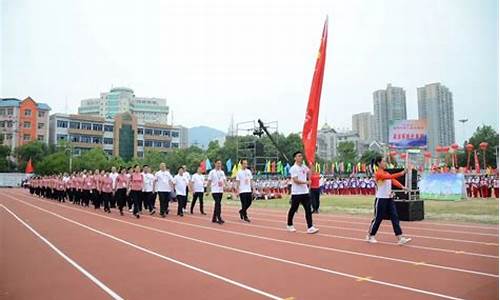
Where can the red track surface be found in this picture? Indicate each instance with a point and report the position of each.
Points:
(191, 258)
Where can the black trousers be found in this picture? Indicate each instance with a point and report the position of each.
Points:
(217, 206)
(385, 206)
(181, 203)
(96, 199)
(106, 199)
(121, 198)
(306, 204)
(136, 199)
(164, 200)
(112, 201)
(147, 198)
(196, 196)
(315, 198)
(86, 197)
(246, 201)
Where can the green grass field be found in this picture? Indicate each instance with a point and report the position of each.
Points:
(470, 210)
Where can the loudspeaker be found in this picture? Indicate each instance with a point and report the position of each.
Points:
(409, 210)
(402, 179)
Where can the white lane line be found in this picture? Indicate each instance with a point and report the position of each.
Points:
(367, 219)
(99, 283)
(225, 279)
(416, 290)
(364, 224)
(445, 250)
(373, 256)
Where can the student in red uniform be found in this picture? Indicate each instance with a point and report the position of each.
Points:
(384, 203)
(495, 186)
(315, 192)
(106, 191)
(135, 189)
(483, 185)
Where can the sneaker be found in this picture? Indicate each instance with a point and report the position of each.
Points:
(131, 210)
(152, 212)
(404, 240)
(312, 230)
(291, 228)
(371, 239)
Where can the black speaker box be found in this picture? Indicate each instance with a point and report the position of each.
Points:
(409, 210)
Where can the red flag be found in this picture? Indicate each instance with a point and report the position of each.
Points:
(29, 167)
(310, 130)
(476, 163)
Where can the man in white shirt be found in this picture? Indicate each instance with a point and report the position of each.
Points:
(216, 182)
(147, 190)
(180, 186)
(197, 186)
(113, 176)
(300, 193)
(244, 182)
(188, 179)
(163, 186)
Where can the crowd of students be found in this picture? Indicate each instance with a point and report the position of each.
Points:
(482, 186)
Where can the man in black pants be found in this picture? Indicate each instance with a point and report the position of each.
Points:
(244, 185)
(198, 188)
(163, 185)
(300, 193)
(216, 182)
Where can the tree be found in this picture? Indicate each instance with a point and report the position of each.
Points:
(482, 134)
(53, 164)
(4, 158)
(346, 152)
(35, 151)
(368, 156)
(93, 159)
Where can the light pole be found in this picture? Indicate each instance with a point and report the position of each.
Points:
(69, 148)
(463, 121)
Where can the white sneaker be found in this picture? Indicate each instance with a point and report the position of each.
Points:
(312, 230)
(371, 239)
(291, 228)
(404, 240)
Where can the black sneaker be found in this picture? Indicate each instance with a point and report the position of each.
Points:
(152, 212)
(137, 216)
(241, 215)
(203, 213)
(246, 219)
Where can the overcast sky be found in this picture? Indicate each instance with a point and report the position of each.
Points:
(253, 59)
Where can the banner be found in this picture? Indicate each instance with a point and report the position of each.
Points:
(405, 134)
(442, 186)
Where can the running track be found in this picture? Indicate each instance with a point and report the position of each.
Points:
(50, 250)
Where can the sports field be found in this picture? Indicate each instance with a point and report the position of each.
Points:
(54, 250)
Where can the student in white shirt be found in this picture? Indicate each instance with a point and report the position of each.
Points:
(114, 174)
(188, 179)
(216, 182)
(300, 193)
(244, 182)
(197, 181)
(147, 190)
(180, 186)
(163, 186)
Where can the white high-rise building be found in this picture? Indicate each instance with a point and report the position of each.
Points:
(120, 100)
(326, 147)
(388, 105)
(435, 105)
(363, 124)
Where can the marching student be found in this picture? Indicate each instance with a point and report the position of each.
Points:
(384, 202)
(120, 190)
(135, 186)
(87, 187)
(149, 198)
(114, 174)
(106, 191)
(300, 193)
(197, 187)
(188, 179)
(315, 192)
(163, 185)
(181, 186)
(216, 182)
(244, 183)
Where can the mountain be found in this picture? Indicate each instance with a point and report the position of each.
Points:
(202, 135)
